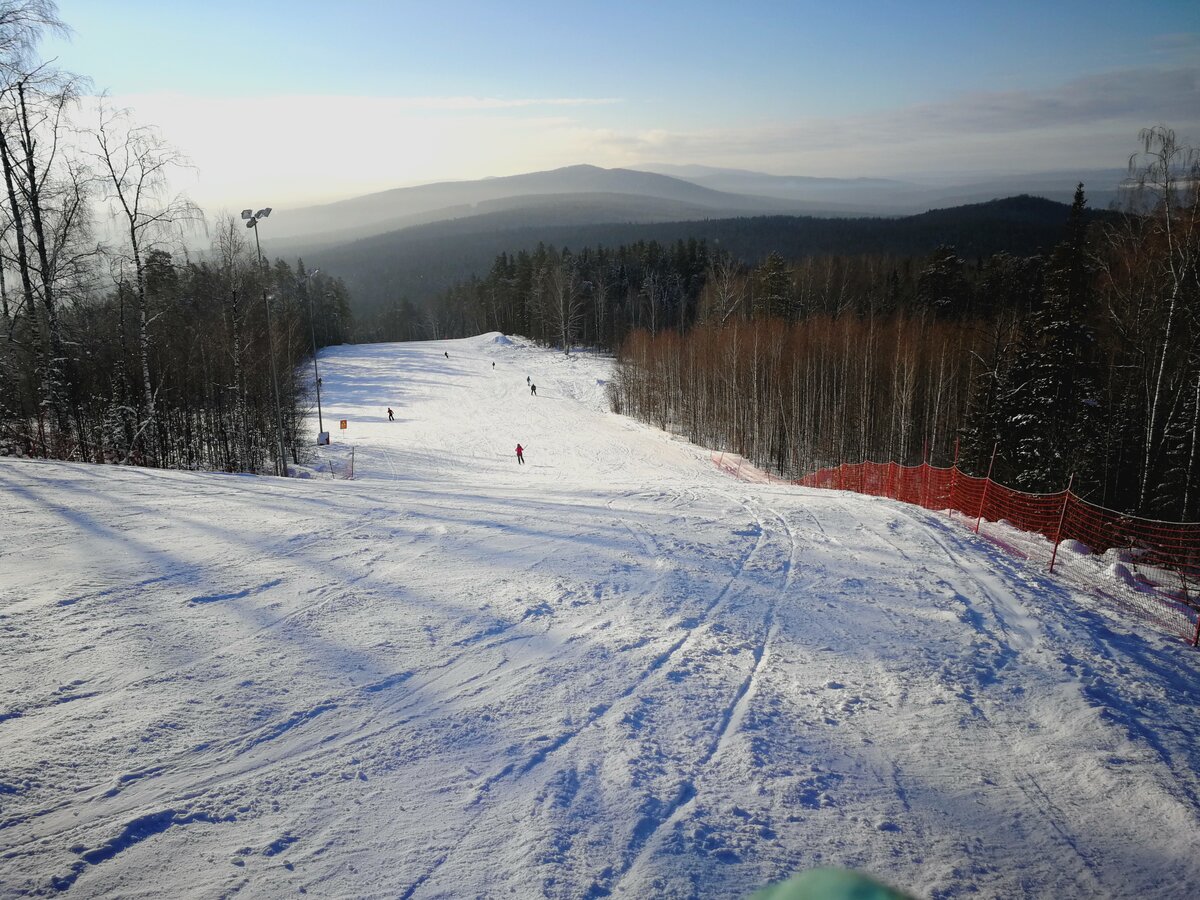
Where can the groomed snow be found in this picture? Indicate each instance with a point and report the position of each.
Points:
(613, 670)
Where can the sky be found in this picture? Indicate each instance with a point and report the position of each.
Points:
(299, 102)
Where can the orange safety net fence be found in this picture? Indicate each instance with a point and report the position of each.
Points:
(1149, 567)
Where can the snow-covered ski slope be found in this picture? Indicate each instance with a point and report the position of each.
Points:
(613, 670)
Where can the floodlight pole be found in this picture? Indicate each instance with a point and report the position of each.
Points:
(312, 321)
(252, 222)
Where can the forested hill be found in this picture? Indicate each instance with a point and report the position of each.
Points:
(417, 263)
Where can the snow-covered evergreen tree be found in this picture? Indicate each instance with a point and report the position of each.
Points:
(1051, 409)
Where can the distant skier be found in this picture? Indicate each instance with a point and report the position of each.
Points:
(391, 418)
(520, 455)
(533, 389)
(493, 365)
(447, 354)
(527, 379)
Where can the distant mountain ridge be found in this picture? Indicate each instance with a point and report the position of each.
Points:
(585, 194)
(420, 262)
(405, 207)
(890, 196)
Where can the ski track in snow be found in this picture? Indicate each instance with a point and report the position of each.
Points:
(604, 713)
(611, 671)
(729, 724)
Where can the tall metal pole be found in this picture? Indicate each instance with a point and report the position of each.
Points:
(313, 324)
(271, 351)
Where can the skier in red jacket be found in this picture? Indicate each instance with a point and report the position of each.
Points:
(520, 455)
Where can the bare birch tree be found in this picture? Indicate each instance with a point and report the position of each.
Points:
(136, 164)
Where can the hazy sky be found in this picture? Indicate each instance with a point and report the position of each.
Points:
(286, 103)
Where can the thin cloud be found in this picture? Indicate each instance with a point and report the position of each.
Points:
(1182, 43)
(1111, 106)
(1151, 94)
(321, 148)
(468, 103)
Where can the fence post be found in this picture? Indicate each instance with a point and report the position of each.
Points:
(924, 470)
(987, 481)
(953, 481)
(1061, 517)
(1187, 601)
(351, 462)
(924, 492)
(1195, 606)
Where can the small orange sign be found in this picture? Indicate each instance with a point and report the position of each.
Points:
(343, 424)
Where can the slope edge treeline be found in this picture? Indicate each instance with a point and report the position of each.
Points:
(131, 350)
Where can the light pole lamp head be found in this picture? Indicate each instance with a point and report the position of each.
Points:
(246, 214)
(263, 213)
(251, 222)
